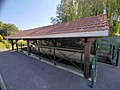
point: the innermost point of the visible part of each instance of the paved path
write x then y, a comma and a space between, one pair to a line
21, 72
109, 77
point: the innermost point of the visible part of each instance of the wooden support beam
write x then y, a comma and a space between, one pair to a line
54, 56
55, 44
39, 51
12, 45
87, 49
113, 51
81, 61
110, 49
118, 56
16, 45
28, 47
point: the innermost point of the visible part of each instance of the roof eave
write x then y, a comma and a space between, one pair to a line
67, 35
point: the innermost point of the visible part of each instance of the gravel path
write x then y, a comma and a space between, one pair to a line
21, 72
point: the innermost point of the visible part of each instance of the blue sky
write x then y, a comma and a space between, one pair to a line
26, 14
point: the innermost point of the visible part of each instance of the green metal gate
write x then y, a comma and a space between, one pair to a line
110, 47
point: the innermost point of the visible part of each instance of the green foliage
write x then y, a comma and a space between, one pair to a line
117, 29
7, 29
2, 45
75, 9
1, 25
6, 43
21, 43
1, 38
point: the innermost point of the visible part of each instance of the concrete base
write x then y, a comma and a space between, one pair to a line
58, 65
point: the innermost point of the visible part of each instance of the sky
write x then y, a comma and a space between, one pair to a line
27, 14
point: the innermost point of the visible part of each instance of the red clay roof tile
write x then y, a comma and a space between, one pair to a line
89, 24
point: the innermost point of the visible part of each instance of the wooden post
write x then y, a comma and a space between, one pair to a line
55, 44
54, 56
12, 45
110, 49
16, 45
81, 63
113, 52
87, 49
39, 49
118, 54
28, 47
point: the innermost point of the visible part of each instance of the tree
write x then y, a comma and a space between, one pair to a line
75, 9
117, 28
7, 29
65, 11
1, 25
1, 28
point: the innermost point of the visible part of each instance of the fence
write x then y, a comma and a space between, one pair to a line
109, 47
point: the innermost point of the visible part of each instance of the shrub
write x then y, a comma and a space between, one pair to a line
1, 38
21, 43
7, 44
2, 45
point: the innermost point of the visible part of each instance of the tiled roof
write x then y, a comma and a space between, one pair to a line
89, 24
